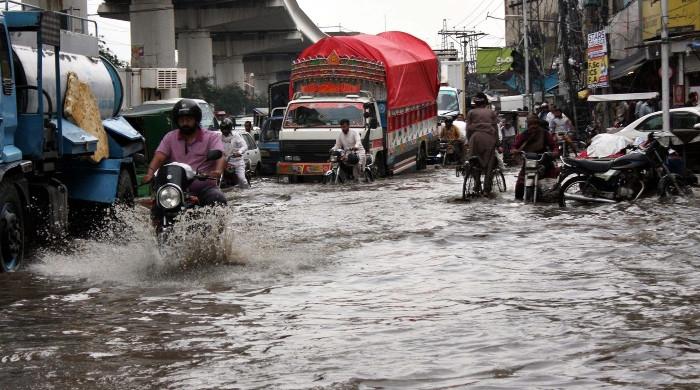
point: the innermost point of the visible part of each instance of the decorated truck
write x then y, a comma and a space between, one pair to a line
386, 85
63, 145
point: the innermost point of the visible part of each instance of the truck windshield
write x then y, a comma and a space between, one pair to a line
324, 114
448, 101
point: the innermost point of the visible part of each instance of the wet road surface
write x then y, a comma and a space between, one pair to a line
396, 284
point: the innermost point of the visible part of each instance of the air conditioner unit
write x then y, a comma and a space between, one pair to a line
164, 78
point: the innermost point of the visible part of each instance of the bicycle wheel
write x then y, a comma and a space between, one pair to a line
500, 180
467, 184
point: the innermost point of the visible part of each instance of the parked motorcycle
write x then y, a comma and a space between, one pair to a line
537, 187
342, 167
625, 178
171, 197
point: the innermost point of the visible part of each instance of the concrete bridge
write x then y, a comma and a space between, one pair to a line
247, 42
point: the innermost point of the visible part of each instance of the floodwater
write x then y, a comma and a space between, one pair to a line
393, 285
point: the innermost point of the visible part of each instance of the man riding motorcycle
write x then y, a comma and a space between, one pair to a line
234, 148
451, 134
349, 140
189, 144
535, 139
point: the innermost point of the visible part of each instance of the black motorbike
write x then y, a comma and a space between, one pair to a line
535, 167
343, 164
625, 178
171, 198
448, 153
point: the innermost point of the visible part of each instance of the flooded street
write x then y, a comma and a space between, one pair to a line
396, 284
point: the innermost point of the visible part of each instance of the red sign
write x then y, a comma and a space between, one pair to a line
330, 87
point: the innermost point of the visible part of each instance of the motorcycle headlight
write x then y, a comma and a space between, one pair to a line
334, 158
530, 163
169, 197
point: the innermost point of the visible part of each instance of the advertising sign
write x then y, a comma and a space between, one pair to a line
683, 17
491, 60
597, 60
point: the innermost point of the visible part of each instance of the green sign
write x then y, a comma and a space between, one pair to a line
491, 60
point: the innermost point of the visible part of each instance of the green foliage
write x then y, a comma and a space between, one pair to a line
111, 57
231, 98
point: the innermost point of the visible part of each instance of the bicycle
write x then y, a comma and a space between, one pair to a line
472, 170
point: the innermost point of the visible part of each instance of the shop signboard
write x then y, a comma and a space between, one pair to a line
597, 60
683, 17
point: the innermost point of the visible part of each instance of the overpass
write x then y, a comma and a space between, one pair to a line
246, 42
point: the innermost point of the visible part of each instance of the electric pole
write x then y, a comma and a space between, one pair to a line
665, 87
566, 54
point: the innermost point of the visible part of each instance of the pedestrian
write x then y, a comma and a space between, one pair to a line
647, 108
482, 133
248, 126
544, 111
507, 135
692, 100
638, 109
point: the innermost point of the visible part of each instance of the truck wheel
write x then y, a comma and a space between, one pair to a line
125, 189
11, 229
380, 165
422, 159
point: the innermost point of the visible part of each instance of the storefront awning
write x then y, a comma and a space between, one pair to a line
630, 64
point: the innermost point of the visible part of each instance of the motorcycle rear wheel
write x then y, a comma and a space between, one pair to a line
576, 186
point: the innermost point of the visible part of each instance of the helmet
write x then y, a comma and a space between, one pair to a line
449, 121
187, 107
352, 159
226, 124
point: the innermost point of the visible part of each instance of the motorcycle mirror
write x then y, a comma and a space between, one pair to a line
367, 114
256, 137
696, 126
214, 155
139, 158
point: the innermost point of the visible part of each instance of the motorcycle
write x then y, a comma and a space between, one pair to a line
625, 178
537, 187
568, 145
343, 164
171, 197
229, 178
448, 153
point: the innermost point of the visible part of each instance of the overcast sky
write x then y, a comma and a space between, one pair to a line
418, 17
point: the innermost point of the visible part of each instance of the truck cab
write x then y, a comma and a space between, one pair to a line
311, 126
448, 103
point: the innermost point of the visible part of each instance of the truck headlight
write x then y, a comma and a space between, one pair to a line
169, 197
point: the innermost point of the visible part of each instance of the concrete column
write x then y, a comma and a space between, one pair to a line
195, 52
230, 71
152, 34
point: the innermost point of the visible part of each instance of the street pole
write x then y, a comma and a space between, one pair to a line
528, 97
665, 87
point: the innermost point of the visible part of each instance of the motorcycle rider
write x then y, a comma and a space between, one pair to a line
189, 144
535, 139
451, 134
349, 140
482, 135
234, 149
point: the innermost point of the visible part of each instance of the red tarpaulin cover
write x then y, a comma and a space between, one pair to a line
411, 65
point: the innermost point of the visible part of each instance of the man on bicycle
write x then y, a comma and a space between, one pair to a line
482, 134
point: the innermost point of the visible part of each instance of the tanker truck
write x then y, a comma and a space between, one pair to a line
51, 161
386, 86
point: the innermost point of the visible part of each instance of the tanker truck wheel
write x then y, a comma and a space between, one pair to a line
11, 228
125, 189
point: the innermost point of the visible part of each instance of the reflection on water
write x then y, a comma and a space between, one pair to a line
395, 284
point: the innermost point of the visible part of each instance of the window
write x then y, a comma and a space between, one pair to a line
324, 114
655, 123
5, 67
250, 141
448, 100
684, 120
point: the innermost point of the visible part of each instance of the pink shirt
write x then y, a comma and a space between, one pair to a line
174, 147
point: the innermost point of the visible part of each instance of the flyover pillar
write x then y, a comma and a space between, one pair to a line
195, 53
230, 70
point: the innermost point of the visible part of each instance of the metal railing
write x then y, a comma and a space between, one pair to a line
83, 20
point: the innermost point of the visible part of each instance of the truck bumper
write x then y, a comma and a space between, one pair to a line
303, 169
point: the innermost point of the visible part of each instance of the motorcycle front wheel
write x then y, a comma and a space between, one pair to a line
673, 185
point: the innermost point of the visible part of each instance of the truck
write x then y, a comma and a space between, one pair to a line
386, 85
49, 164
452, 89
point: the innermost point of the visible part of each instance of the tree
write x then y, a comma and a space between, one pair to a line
110, 56
230, 98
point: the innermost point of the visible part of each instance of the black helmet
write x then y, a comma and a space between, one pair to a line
226, 124
449, 121
187, 107
352, 159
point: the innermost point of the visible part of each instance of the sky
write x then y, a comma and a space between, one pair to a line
418, 17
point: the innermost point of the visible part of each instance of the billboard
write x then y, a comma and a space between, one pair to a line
683, 17
597, 53
493, 60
